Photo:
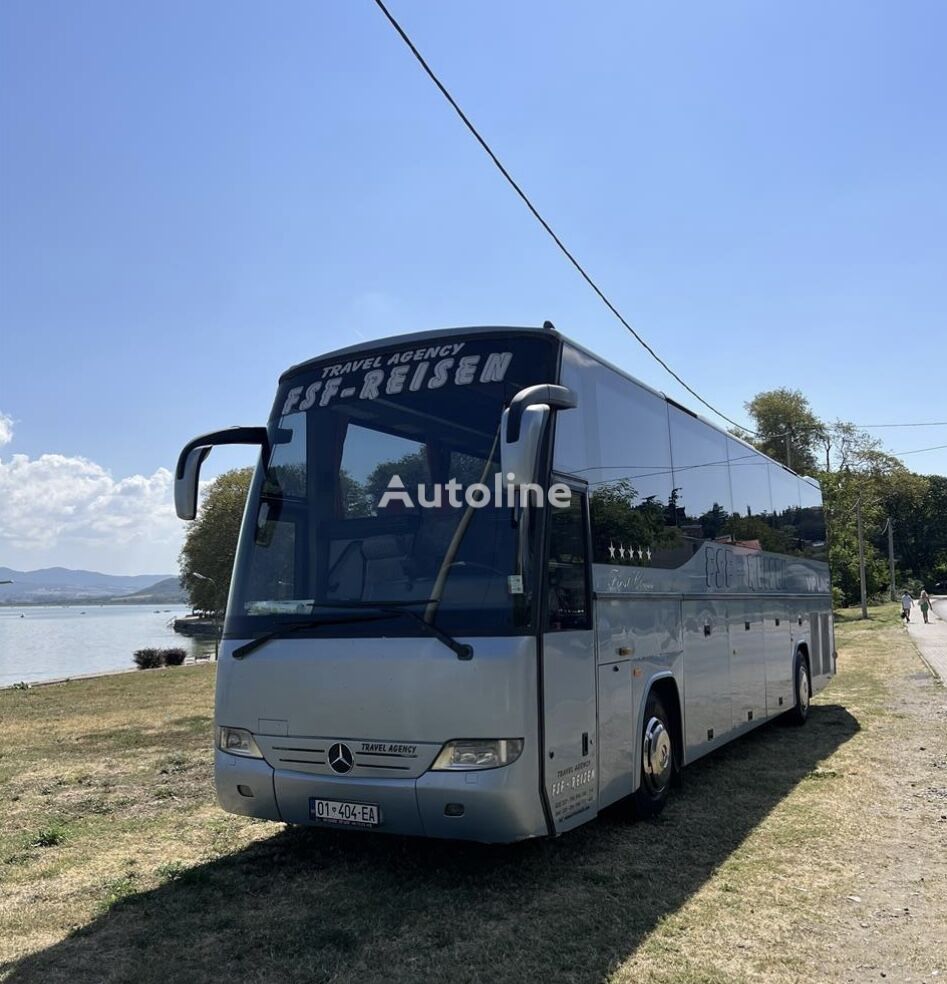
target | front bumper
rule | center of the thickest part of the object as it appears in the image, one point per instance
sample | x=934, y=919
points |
x=499, y=805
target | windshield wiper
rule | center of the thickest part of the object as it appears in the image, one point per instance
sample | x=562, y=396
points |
x=261, y=640
x=393, y=608
x=384, y=610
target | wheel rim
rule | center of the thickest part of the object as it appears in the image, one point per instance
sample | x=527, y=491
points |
x=803, y=689
x=657, y=759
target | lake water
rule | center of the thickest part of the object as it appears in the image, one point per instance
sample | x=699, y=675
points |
x=47, y=643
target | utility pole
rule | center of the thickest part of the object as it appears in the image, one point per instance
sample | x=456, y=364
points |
x=861, y=557
x=891, y=556
x=788, y=450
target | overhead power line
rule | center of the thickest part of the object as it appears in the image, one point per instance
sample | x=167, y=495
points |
x=930, y=423
x=901, y=454
x=519, y=191
x=578, y=266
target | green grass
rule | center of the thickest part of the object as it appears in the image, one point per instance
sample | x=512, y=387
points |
x=117, y=889
x=878, y=616
x=117, y=864
x=50, y=836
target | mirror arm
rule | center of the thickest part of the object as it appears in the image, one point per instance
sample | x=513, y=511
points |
x=231, y=435
x=188, y=469
x=555, y=397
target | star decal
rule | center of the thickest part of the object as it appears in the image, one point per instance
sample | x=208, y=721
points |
x=611, y=550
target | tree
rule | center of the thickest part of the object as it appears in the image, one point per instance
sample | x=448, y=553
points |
x=848, y=448
x=841, y=491
x=885, y=489
x=856, y=471
x=211, y=541
x=788, y=430
x=916, y=505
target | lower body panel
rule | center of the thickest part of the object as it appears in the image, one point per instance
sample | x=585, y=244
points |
x=490, y=805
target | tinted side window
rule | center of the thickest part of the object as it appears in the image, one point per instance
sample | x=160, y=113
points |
x=702, y=502
x=566, y=581
x=749, y=480
x=278, y=547
x=811, y=526
x=751, y=521
x=785, y=518
x=286, y=469
x=617, y=440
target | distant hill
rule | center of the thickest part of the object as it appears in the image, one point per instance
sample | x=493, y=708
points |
x=59, y=585
x=166, y=592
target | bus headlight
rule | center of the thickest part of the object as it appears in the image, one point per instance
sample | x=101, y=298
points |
x=478, y=753
x=237, y=741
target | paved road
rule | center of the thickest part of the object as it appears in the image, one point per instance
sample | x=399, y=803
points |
x=931, y=639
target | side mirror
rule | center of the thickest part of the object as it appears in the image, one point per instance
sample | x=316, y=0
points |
x=192, y=456
x=186, y=480
x=519, y=458
x=523, y=425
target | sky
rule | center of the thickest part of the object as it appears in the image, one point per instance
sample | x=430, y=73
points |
x=194, y=197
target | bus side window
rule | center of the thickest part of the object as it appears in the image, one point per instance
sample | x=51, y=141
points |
x=566, y=576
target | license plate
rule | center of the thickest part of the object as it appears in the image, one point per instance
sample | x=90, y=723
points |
x=352, y=814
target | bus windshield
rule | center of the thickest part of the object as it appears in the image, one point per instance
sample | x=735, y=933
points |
x=362, y=498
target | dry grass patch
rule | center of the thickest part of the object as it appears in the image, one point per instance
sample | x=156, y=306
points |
x=795, y=854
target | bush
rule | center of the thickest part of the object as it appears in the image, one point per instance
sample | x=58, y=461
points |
x=151, y=659
x=173, y=657
x=147, y=659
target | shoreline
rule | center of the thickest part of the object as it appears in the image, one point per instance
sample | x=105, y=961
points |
x=30, y=684
x=95, y=603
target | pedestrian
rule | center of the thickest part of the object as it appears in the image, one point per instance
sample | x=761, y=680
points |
x=925, y=602
x=907, y=603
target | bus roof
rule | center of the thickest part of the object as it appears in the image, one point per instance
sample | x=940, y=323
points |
x=416, y=337
x=547, y=329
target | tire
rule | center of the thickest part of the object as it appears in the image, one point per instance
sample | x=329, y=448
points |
x=658, y=765
x=802, y=689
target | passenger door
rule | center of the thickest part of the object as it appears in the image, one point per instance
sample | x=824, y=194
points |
x=568, y=666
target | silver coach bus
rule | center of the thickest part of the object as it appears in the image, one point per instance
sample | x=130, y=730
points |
x=401, y=655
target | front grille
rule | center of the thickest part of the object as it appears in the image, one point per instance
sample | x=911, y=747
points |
x=373, y=758
x=292, y=754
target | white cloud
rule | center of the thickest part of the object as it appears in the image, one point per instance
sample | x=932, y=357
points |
x=6, y=429
x=58, y=506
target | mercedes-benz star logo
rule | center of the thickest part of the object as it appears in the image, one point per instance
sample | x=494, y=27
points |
x=341, y=759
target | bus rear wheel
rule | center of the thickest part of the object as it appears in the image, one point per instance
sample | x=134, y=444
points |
x=803, y=691
x=658, y=764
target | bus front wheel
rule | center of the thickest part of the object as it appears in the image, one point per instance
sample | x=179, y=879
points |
x=657, y=764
